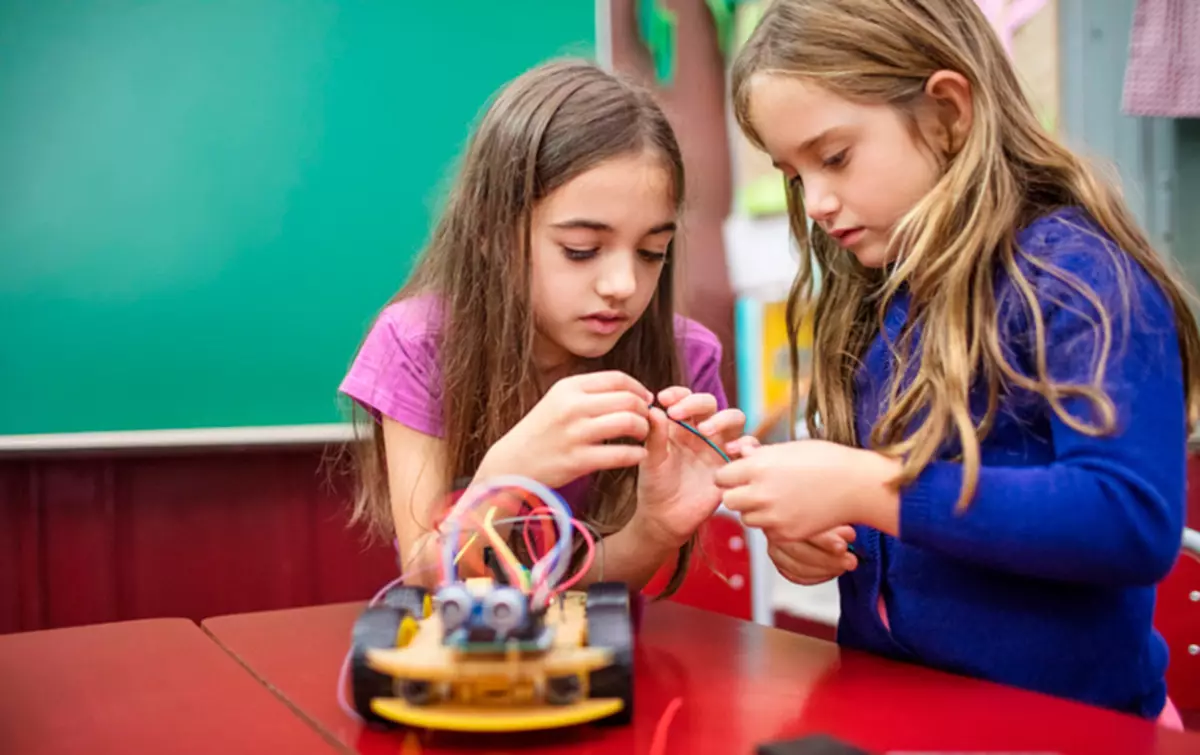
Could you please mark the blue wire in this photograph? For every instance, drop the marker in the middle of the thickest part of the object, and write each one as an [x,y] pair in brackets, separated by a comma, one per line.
[693,431]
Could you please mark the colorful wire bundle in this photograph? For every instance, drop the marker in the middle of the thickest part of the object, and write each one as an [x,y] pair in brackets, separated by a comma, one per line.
[543,579]
[547,576]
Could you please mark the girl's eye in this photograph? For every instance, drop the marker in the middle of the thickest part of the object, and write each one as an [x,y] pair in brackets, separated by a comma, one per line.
[652,256]
[579,255]
[835,161]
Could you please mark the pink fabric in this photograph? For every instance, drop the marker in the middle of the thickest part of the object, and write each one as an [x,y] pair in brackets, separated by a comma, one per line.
[1169,718]
[1162,77]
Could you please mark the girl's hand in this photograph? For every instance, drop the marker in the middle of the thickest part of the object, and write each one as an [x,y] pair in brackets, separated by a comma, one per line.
[794,491]
[676,492]
[568,433]
[815,560]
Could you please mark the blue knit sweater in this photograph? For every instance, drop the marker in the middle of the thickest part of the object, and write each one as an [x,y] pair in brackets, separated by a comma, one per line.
[1047,581]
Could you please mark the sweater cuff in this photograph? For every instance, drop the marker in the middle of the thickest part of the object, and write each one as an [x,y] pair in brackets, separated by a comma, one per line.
[928,503]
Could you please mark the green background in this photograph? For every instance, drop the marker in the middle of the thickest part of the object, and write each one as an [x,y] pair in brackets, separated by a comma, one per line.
[203,204]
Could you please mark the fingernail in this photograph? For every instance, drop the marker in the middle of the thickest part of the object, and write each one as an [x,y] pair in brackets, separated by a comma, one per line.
[705,427]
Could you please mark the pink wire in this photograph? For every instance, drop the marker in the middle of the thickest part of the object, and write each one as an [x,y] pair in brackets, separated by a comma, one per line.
[587,562]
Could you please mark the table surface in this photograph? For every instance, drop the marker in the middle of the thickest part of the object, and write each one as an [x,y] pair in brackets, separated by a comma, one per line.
[154,686]
[739,684]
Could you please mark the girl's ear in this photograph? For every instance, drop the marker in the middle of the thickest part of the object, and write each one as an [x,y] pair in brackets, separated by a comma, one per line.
[952,99]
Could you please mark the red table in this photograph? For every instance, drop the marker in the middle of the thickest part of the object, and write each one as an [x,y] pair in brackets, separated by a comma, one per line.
[740,684]
[156,686]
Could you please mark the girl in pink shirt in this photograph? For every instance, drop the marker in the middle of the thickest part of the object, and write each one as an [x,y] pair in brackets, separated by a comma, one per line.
[537,330]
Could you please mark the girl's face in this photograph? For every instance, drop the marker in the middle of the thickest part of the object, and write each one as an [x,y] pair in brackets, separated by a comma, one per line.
[860,167]
[599,244]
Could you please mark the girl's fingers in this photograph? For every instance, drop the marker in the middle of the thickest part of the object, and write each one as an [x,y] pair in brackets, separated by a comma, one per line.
[624,424]
[724,423]
[609,402]
[741,500]
[613,456]
[752,517]
[658,439]
[806,566]
[830,542]
[736,474]
[805,559]
[697,407]
[610,381]
[846,532]
[743,446]
[668,397]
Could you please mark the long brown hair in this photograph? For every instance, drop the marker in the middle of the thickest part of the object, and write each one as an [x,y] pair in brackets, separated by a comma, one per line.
[543,129]
[953,243]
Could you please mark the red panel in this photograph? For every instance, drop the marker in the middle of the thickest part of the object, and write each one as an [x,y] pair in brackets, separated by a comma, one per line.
[216,534]
[719,575]
[348,565]
[19,580]
[86,540]
[1177,617]
[78,538]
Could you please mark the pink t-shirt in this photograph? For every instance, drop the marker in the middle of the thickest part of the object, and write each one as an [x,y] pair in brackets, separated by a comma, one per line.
[397,372]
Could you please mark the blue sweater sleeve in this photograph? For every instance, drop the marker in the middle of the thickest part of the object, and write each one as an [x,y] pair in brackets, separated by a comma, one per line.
[1106,510]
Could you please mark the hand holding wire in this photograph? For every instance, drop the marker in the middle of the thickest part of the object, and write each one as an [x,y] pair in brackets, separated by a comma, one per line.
[698,414]
[676,489]
[571,431]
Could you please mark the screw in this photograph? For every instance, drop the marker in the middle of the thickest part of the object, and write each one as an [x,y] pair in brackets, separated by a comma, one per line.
[1193,649]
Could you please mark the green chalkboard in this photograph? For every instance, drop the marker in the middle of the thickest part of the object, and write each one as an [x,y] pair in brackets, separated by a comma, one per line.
[203,202]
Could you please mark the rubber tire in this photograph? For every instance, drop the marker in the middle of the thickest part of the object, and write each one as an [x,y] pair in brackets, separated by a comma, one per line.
[610,625]
[376,628]
[406,598]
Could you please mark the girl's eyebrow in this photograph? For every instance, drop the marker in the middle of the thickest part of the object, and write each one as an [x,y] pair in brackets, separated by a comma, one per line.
[814,141]
[596,225]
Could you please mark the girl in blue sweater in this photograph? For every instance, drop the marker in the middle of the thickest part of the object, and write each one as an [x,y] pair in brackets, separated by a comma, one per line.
[1004,370]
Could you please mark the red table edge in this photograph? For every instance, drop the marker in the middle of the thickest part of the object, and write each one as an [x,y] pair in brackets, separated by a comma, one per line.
[308,720]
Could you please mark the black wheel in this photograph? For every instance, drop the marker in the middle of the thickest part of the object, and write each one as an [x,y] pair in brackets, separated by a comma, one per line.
[610,625]
[406,598]
[377,628]
[415,692]
[563,690]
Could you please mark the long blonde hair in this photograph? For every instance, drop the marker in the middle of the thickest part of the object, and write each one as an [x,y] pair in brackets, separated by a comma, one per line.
[953,244]
[544,128]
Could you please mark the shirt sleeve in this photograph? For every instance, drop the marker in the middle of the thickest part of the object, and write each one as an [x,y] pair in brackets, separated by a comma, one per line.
[1107,510]
[702,354]
[395,374]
